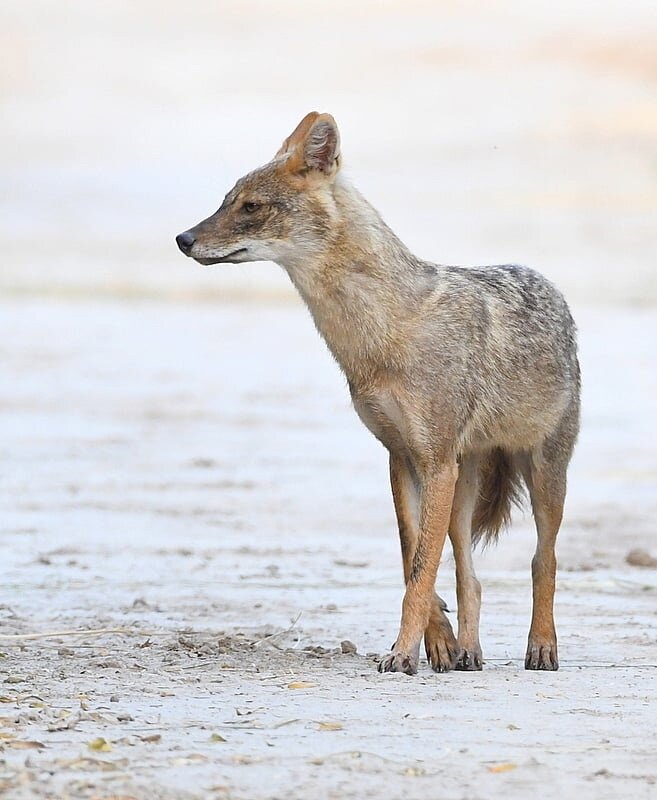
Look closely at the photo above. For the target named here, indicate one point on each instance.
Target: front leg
(468, 589)
(439, 640)
(437, 492)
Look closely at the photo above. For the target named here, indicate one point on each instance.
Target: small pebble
(640, 558)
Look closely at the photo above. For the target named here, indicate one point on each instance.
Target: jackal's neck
(362, 286)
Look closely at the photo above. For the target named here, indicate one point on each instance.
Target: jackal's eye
(250, 207)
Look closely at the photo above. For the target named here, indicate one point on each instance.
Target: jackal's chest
(384, 415)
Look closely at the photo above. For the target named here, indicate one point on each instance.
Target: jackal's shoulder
(514, 290)
(509, 281)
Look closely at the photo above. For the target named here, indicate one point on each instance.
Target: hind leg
(545, 474)
(468, 588)
(439, 640)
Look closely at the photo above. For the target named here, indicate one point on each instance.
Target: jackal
(468, 376)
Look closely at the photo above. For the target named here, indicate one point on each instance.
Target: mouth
(229, 258)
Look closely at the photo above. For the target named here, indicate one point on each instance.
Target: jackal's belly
(514, 426)
(517, 424)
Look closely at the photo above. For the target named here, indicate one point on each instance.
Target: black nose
(185, 241)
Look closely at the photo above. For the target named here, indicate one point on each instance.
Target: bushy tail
(500, 487)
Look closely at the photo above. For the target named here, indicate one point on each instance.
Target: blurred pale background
(484, 132)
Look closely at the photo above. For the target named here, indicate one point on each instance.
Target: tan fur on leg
(439, 639)
(468, 589)
(436, 506)
(547, 489)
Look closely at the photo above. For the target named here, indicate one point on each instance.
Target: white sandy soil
(194, 478)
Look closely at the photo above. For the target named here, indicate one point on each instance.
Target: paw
(398, 662)
(440, 645)
(469, 659)
(542, 655)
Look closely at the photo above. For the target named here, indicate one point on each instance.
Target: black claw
(541, 658)
(387, 664)
(468, 661)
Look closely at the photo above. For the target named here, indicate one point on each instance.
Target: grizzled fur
(469, 378)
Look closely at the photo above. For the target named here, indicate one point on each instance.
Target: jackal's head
(277, 212)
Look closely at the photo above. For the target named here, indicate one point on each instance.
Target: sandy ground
(193, 478)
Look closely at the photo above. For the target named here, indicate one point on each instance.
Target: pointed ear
(314, 145)
(321, 147)
(298, 134)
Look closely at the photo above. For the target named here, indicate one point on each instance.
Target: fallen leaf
(6, 735)
(5, 699)
(245, 724)
(512, 727)
(330, 726)
(22, 744)
(119, 797)
(284, 723)
(152, 738)
(301, 685)
(15, 679)
(27, 697)
(217, 738)
(66, 722)
(414, 772)
(100, 745)
(502, 767)
(193, 758)
(89, 764)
